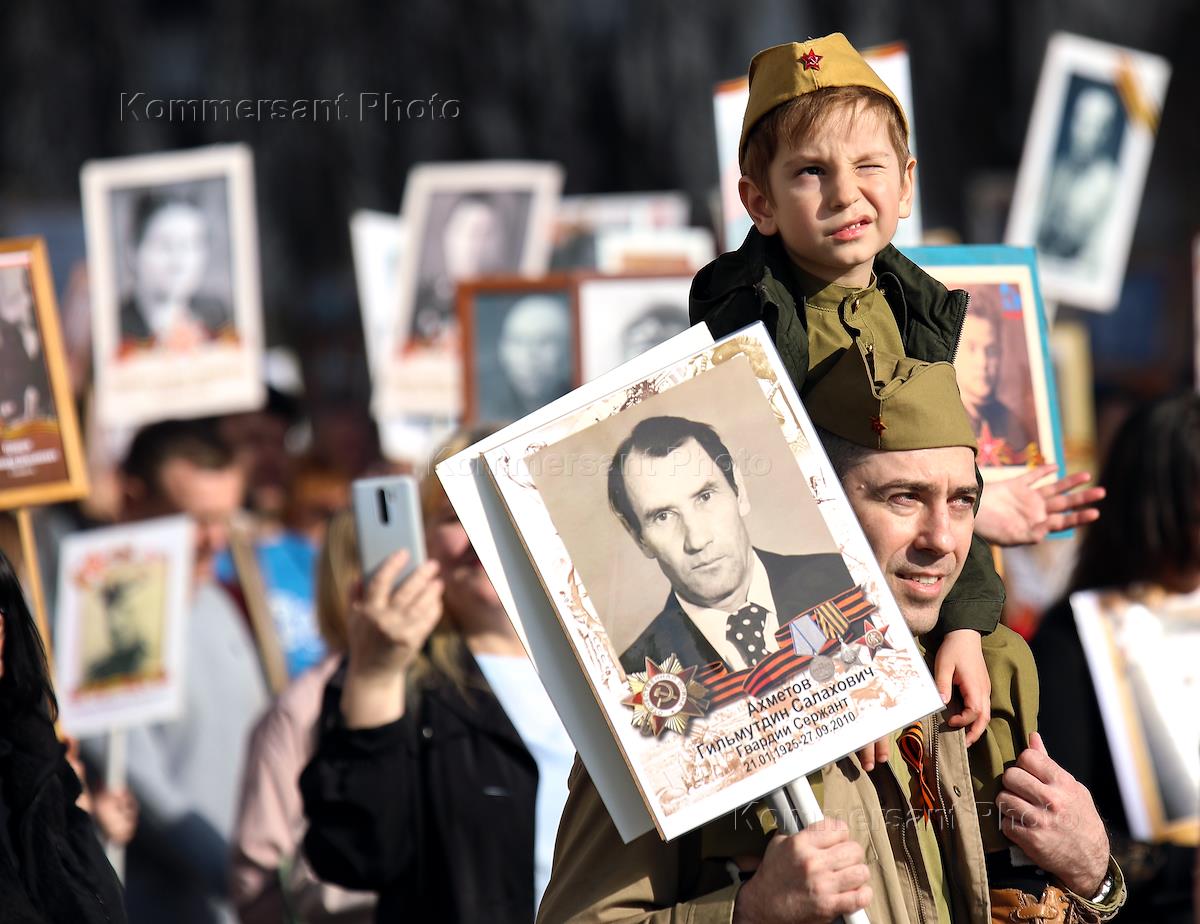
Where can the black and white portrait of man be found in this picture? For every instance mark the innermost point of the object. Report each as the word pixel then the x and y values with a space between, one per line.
pixel 1081 189
pixel 523 350
pixel 677 490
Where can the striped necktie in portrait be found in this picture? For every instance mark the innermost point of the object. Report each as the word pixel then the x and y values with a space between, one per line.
pixel 912 749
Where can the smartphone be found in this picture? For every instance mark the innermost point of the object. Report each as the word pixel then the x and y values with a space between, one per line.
pixel 387 518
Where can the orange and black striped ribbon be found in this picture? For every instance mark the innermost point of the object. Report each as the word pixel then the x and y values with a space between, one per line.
pixel 912 749
pixel 854 609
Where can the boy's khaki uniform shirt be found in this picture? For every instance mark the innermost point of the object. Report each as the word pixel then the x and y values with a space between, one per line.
pixel 837 314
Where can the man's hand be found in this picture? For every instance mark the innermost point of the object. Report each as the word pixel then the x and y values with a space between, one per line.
pixel 808 878
pixel 1014 512
pixel 959 663
pixel 1050 815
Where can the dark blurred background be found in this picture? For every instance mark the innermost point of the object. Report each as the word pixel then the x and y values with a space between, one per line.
pixel 620 92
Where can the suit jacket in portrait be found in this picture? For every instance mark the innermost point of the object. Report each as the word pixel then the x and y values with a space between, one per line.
pixel 798 583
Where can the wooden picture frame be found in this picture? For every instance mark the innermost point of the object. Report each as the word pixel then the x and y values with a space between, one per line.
pixel 41 454
pixel 489 392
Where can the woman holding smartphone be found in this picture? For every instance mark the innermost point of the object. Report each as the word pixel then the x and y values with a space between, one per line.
pixel 441 766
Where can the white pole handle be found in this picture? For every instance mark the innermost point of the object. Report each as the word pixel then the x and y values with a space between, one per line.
pixel 797 799
pixel 114 778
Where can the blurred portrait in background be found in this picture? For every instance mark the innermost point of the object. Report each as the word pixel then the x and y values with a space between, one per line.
pixel 520 346
pixel 992 367
pixel 468 235
pixel 176 291
pixel 24 380
pixel 1080 192
pixel 654 325
pixel 127 653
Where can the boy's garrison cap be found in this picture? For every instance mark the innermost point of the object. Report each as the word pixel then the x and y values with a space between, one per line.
pixel 891 403
pixel 785 72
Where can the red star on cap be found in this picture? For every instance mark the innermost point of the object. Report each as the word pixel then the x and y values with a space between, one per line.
pixel 878 425
pixel 811 60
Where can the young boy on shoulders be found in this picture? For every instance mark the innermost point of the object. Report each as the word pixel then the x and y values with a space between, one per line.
pixel 826 177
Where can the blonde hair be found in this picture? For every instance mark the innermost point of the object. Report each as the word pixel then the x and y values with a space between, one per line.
pixel 793 121
pixel 338 570
pixel 445 647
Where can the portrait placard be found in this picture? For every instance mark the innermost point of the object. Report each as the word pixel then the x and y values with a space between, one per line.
pixel 1084 165
pixel 889 61
pixel 520 345
pixel 667 250
pixel 1005 375
pixel 41 459
pixel 462 221
pixel 712 709
pixel 498 545
pixel 615 211
pixel 1143 651
pixel 122 597
pixel 621 317
pixel 376 240
pixel 173 265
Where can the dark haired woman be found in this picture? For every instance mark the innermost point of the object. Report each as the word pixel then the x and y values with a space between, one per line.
pixel 168 259
pixel 1146 542
pixel 52 868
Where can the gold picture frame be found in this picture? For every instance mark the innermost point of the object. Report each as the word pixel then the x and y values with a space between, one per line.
pixel 41 454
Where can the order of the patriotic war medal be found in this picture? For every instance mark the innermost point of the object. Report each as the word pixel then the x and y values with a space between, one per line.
pixel 665 696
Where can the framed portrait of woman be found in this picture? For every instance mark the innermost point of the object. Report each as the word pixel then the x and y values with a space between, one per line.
pixel 41 458
pixel 173 265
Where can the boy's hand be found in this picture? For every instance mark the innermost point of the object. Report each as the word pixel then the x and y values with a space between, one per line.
pixel 877 753
pixel 959 663
pixel 1014 512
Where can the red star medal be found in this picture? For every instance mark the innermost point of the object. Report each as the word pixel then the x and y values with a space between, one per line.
pixel 665 696
pixel 874 640
pixel 993 450
pixel 811 60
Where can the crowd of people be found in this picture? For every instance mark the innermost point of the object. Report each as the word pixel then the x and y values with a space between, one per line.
pixel 386 751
